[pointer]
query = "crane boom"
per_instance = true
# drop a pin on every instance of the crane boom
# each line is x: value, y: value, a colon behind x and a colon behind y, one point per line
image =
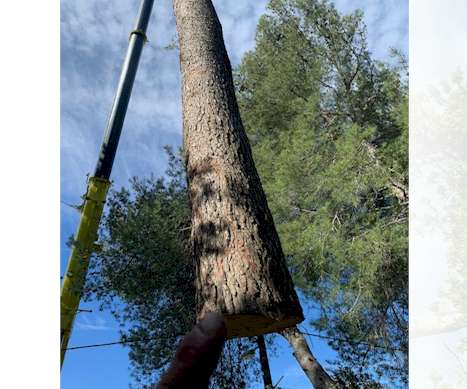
x: 97, y: 186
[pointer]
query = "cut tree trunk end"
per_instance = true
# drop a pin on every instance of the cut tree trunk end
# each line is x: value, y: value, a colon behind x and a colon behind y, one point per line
x: 240, y: 267
x: 312, y: 368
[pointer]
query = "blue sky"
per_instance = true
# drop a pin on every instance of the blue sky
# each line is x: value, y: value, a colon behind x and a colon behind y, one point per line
x: 94, y: 37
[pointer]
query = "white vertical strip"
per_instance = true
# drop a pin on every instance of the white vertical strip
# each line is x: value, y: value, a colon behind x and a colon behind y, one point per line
x: 438, y: 194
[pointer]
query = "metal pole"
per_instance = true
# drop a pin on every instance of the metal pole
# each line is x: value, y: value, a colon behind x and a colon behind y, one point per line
x: 122, y: 97
x: 264, y: 362
x: 91, y: 211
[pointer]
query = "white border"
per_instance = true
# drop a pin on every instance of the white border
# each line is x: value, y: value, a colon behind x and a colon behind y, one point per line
x: 438, y: 194
x: 29, y: 196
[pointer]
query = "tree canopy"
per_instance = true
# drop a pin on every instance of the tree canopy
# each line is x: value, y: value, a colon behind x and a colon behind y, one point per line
x: 328, y: 125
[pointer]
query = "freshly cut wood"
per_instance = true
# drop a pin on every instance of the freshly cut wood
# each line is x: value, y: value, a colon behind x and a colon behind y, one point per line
x: 240, y: 266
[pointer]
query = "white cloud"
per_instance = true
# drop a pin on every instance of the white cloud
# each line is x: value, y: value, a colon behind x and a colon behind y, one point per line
x: 94, y: 40
x: 97, y: 324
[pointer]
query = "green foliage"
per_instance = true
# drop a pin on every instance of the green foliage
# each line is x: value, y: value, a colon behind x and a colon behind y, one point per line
x: 145, y: 275
x: 328, y: 127
x: 351, y: 380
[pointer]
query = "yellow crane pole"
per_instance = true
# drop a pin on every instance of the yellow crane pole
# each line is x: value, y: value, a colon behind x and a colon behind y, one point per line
x: 98, y: 185
x: 82, y: 248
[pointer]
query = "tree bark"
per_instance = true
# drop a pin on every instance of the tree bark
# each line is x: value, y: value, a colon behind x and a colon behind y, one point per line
x: 264, y: 362
x: 240, y: 266
x: 312, y: 368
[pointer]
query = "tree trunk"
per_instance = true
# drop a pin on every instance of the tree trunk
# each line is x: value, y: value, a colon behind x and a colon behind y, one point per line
x: 240, y: 266
x: 263, y: 359
x: 312, y: 368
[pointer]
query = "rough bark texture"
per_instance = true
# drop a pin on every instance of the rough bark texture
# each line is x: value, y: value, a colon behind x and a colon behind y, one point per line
x: 312, y: 368
x: 241, y: 271
x: 263, y: 359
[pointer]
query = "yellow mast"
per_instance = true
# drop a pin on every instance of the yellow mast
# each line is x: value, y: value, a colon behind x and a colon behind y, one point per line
x: 98, y: 185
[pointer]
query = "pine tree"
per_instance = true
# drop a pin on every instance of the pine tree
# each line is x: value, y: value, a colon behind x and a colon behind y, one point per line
x: 240, y: 266
x: 328, y: 127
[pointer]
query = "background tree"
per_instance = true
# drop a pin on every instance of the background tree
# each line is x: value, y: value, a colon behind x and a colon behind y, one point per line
x: 145, y: 276
x: 328, y: 125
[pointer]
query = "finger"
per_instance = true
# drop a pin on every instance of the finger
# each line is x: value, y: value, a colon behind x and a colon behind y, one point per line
x: 197, y: 355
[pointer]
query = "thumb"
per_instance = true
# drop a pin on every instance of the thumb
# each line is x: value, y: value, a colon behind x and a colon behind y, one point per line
x: 197, y: 355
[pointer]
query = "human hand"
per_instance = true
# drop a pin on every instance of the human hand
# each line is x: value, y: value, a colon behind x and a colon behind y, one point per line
x: 197, y: 355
